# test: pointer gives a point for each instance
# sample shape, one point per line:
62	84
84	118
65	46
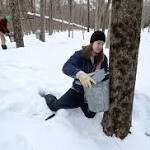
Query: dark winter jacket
77	63
3	25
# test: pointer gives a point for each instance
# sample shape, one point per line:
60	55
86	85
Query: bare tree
50	17
107	45
98	13
146	14
70	17
15	11
1	7
81	18
88	16
42	12
124	44
22	15
33	10
105	15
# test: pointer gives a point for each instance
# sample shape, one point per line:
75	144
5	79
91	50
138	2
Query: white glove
85	79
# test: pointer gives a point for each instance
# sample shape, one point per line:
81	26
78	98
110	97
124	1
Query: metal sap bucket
97	97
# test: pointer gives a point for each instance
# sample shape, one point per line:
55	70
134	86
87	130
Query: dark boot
4	46
51	102
86	111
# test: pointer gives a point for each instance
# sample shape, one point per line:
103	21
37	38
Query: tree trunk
22	15
88	16
33	10
107	45
42	12
70	17
99	13
1	8
105	14
14	6
50	17
124	44
60	11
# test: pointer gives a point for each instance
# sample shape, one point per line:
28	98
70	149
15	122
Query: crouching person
79	66
4	30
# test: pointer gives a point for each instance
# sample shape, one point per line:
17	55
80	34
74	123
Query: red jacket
3	25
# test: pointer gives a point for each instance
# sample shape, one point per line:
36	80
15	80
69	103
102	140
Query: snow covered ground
24	71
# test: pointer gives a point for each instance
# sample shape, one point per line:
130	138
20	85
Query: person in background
79	66
4	30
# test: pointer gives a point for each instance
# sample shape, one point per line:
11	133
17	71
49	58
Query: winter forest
50	53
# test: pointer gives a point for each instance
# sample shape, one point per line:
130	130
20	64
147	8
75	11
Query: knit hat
8	18
97	35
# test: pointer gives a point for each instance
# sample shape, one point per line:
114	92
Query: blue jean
71	99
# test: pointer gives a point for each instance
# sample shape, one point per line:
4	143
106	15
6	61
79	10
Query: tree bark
105	14
107	45
124	44
88	16
1	7
99	13
42	12
15	11
50	17
70	17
